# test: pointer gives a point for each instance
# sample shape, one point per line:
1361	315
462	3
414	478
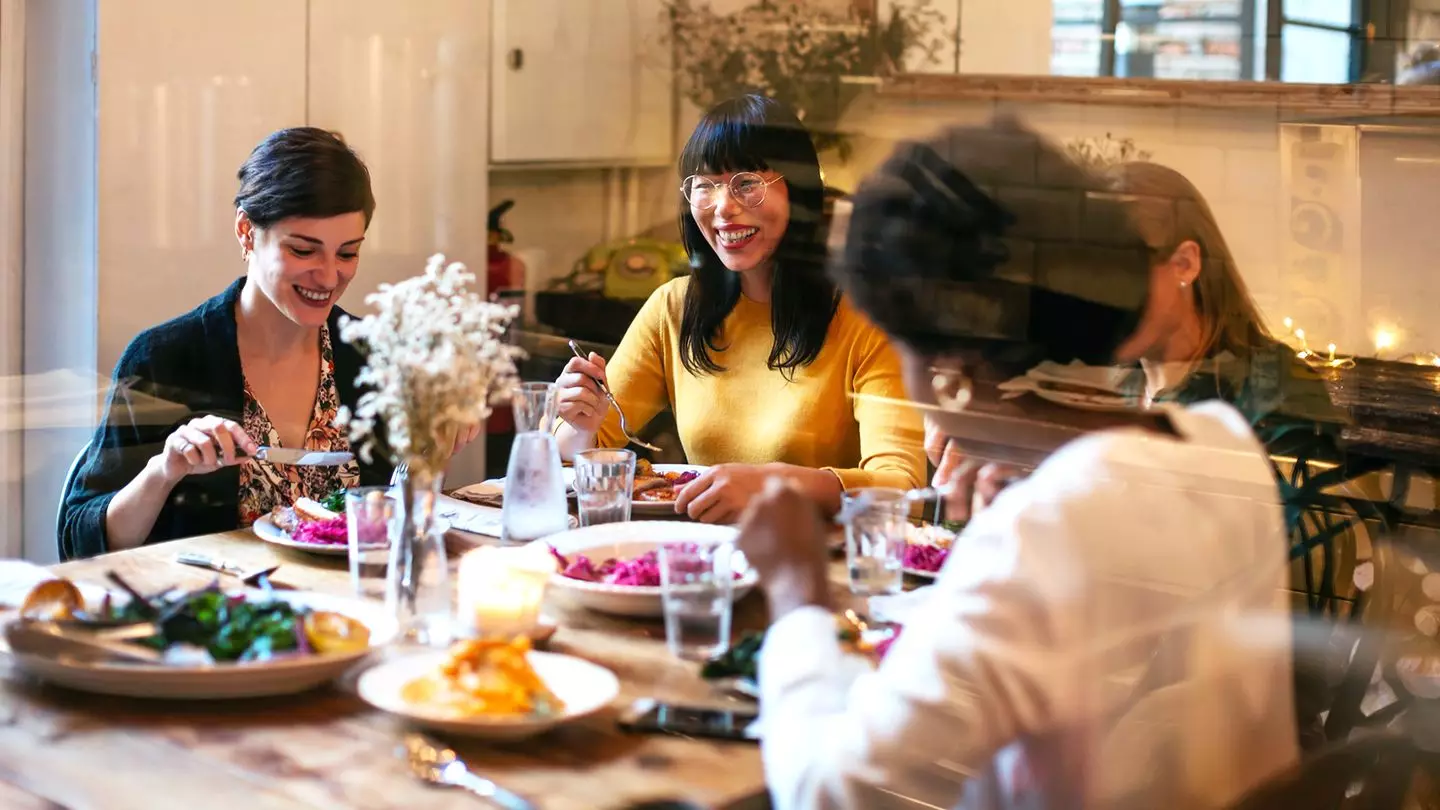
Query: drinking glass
534	407
603	483
369	518
696	587
875	541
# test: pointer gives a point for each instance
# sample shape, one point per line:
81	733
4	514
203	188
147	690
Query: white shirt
1016	685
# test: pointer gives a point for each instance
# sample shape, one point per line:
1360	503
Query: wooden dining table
328	749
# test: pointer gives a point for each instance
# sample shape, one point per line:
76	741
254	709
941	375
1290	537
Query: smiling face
303	265
744	237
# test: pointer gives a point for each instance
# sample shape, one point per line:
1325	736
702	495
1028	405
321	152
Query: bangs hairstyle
752	134
303	172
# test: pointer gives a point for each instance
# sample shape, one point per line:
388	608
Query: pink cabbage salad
640	572
321	532
923	557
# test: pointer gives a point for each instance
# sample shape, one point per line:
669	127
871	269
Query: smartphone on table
650	716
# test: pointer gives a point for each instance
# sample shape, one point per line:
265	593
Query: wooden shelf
1370	99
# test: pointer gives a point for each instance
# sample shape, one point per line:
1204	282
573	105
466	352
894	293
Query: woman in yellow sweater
767	369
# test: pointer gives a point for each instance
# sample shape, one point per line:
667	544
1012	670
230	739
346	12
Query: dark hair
755	133
990	238
303	172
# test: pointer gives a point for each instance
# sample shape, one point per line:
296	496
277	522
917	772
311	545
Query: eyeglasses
746	188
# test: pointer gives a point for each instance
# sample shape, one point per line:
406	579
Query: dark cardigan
193	361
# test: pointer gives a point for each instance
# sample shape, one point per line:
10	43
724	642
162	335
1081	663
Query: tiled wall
1234	156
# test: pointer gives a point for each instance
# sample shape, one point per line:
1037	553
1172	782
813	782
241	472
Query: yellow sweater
751	414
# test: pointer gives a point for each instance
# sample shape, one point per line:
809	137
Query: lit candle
1384	340
500	590
1332	352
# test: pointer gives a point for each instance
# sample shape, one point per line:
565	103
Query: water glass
534	407
875	541
696	587
369	518
603	483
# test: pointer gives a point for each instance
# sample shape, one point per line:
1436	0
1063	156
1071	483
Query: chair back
65	490
1369	772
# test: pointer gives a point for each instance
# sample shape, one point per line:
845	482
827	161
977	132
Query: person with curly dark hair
1113	630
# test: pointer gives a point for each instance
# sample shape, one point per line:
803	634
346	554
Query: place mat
474	518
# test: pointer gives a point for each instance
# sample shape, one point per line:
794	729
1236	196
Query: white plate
218	681
916	572
626	540
658	508
266	530
583	687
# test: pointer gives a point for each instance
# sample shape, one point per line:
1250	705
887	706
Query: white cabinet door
580	80
185	90
406	84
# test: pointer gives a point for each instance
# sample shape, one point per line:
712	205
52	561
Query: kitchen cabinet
580	81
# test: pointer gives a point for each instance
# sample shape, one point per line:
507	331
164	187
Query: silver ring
186	447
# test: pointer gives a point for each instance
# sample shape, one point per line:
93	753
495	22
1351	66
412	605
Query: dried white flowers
435	355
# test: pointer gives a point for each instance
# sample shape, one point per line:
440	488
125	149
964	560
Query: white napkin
897	608
17	579
1100	380
474	518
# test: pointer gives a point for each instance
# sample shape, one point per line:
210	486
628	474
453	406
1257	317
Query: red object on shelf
504	273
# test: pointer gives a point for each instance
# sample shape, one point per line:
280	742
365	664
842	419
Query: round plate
266	530
916	572
661	508
217	681
625	540
583	687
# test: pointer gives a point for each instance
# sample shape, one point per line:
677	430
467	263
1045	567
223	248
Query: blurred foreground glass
603	483
697	584
875	541
534	505
369	520
417	588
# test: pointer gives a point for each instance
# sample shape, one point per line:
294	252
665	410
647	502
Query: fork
401	470
604	389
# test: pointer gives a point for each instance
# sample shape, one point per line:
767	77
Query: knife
302	458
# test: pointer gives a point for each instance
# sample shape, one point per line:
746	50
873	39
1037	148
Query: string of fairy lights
1384	340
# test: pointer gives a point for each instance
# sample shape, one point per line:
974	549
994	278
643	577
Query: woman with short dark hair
259	364
768	369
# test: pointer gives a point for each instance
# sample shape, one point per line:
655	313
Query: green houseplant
813	56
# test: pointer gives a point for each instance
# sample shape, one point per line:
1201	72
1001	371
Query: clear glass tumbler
875	541
604	480
370	522
697	585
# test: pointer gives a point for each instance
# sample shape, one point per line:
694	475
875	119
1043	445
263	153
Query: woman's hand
784	539
465	437
203	446
968	484
722	493
579	400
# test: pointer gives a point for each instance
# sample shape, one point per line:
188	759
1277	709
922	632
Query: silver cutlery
432	762
604	389
253	578
52	640
302	458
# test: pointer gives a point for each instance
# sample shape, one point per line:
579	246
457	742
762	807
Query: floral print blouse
264	486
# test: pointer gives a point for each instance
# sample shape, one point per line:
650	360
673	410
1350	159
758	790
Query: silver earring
1184	284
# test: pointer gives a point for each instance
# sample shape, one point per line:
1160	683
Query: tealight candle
500	590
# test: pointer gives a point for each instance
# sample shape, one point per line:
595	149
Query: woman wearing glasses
767	369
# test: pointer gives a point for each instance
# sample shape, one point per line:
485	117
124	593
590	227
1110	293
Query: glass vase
417	584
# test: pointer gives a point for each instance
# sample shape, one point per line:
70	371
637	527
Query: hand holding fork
583	398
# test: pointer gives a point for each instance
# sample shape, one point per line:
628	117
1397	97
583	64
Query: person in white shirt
1112	631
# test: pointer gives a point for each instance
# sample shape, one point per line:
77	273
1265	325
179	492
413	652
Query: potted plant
814	57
